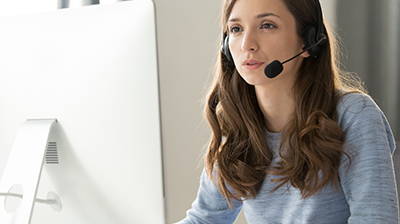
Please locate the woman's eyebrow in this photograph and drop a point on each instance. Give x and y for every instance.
(266, 14)
(257, 17)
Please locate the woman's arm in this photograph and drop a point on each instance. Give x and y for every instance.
(368, 181)
(210, 207)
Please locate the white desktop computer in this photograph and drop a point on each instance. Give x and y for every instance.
(80, 108)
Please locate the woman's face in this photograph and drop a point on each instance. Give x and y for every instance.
(261, 31)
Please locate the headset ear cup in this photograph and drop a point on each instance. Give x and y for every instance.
(225, 49)
(310, 39)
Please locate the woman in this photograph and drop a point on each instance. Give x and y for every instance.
(294, 147)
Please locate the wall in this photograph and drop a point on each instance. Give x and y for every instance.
(188, 38)
(374, 50)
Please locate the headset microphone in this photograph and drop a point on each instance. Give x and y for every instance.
(275, 68)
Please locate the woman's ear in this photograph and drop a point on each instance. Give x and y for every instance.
(305, 54)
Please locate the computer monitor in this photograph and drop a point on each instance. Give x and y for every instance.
(94, 70)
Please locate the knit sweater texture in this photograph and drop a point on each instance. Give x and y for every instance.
(367, 191)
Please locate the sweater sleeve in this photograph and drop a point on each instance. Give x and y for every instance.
(367, 178)
(210, 207)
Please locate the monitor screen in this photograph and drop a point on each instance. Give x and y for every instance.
(94, 69)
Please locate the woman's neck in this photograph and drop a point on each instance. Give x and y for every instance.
(277, 105)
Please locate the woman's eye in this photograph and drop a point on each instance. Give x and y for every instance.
(268, 26)
(235, 29)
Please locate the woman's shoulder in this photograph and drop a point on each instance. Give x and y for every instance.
(359, 115)
(355, 102)
(357, 105)
(358, 108)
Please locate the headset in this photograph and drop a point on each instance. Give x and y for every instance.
(314, 39)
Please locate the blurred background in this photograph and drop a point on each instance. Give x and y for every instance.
(188, 42)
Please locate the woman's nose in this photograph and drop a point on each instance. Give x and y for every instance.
(249, 42)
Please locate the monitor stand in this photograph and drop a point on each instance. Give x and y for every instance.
(22, 173)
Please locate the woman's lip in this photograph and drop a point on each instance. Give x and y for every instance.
(252, 64)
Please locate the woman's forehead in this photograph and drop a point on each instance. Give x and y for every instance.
(256, 9)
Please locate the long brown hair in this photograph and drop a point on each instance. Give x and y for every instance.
(312, 142)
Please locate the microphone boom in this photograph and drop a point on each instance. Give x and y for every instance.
(275, 68)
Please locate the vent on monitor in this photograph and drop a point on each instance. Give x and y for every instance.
(51, 153)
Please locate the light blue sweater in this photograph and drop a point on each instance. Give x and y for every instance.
(367, 191)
